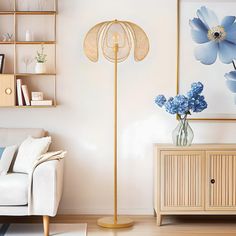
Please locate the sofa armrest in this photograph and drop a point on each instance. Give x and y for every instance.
(47, 187)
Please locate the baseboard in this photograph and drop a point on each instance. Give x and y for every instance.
(61, 218)
(106, 211)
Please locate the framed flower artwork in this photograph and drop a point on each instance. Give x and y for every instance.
(207, 53)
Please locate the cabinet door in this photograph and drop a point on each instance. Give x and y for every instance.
(182, 180)
(7, 90)
(221, 180)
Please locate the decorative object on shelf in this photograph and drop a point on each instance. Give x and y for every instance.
(40, 66)
(182, 106)
(116, 39)
(37, 96)
(206, 41)
(7, 37)
(28, 36)
(27, 60)
(2, 58)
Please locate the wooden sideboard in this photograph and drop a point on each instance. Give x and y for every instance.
(194, 180)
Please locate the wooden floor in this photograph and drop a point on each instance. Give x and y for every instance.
(172, 226)
(146, 225)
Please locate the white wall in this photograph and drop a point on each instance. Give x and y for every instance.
(83, 122)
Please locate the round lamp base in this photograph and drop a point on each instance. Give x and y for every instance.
(122, 222)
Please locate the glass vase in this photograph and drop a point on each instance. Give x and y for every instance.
(182, 135)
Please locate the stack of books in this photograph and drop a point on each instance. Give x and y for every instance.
(41, 103)
(22, 93)
(23, 97)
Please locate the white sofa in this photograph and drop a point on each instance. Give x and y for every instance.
(46, 185)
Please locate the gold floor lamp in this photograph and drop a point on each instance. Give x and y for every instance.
(116, 39)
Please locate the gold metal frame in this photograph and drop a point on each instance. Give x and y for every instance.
(177, 70)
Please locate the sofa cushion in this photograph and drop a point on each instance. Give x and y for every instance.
(13, 136)
(13, 189)
(6, 156)
(29, 151)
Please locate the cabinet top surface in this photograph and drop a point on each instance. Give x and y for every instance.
(168, 146)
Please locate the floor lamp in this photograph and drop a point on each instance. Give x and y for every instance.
(116, 39)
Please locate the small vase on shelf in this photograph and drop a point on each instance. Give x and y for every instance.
(40, 68)
(183, 134)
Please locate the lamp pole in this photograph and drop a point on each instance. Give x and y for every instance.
(116, 48)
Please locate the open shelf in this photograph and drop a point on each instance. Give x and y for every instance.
(28, 12)
(34, 74)
(35, 42)
(7, 12)
(34, 106)
(7, 42)
(35, 12)
(28, 42)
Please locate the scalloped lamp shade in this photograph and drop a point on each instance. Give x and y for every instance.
(125, 33)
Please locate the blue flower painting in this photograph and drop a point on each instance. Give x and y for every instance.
(231, 81)
(215, 37)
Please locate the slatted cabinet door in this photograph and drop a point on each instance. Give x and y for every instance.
(182, 180)
(221, 180)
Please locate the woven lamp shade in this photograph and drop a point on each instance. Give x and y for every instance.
(128, 35)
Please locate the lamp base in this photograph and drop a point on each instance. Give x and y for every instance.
(122, 222)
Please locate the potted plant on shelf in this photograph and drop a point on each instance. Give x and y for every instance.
(182, 106)
(40, 66)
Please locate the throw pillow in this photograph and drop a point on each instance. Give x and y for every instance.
(28, 153)
(6, 156)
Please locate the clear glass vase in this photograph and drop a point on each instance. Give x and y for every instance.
(182, 135)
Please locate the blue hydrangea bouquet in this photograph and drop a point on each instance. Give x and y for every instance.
(182, 106)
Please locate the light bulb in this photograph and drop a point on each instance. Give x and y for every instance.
(115, 38)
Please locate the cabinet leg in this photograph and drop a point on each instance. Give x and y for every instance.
(155, 213)
(159, 219)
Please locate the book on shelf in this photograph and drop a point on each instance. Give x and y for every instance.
(41, 103)
(19, 92)
(25, 92)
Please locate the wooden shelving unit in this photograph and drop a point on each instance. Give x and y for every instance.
(28, 12)
(18, 42)
(32, 74)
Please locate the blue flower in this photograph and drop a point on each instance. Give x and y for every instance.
(197, 104)
(160, 100)
(231, 81)
(196, 89)
(177, 105)
(214, 37)
(171, 107)
(182, 105)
